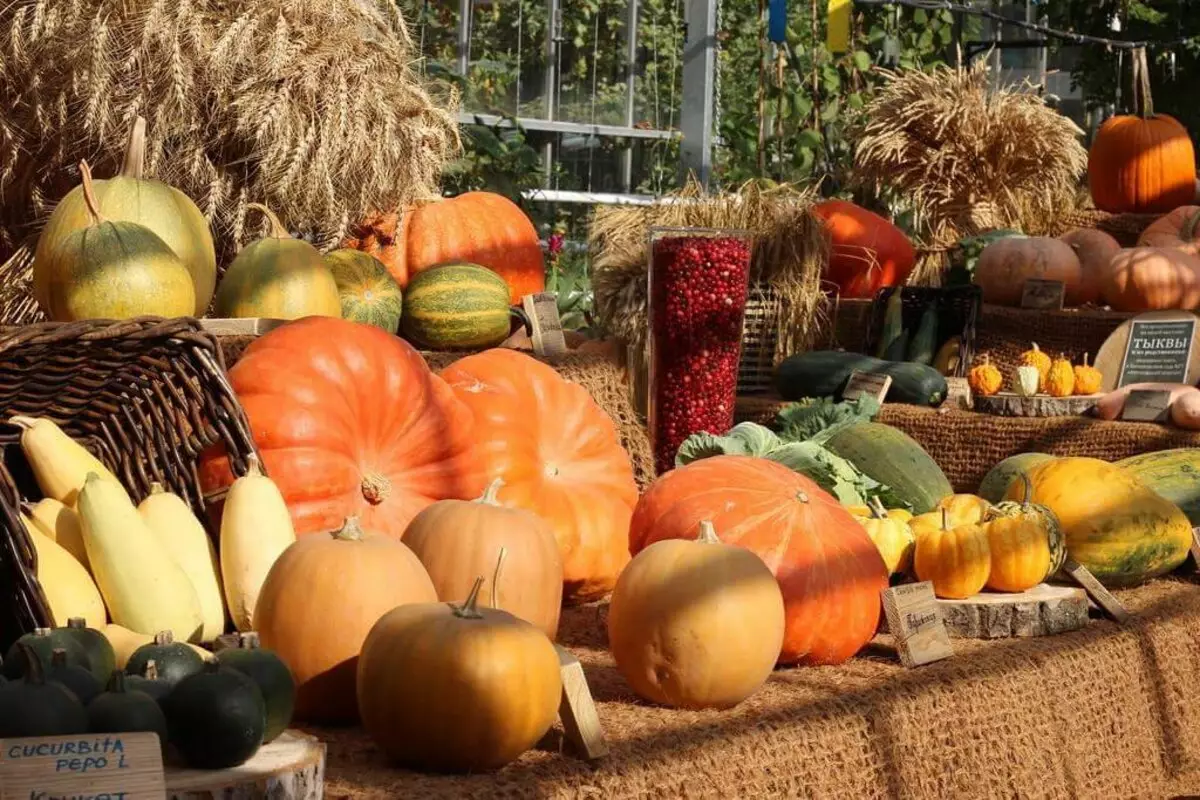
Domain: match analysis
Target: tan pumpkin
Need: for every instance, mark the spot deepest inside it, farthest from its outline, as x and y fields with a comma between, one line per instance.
x=1094, y=249
x=1152, y=279
x=956, y=560
x=1179, y=229
x=319, y=602
x=891, y=535
x=963, y=509
x=696, y=624
x=457, y=540
x=1005, y=265
x=456, y=688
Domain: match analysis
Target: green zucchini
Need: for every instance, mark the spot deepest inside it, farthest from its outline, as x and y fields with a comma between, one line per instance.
x=921, y=348
x=823, y=373
x=895, y=350
x=893, y=323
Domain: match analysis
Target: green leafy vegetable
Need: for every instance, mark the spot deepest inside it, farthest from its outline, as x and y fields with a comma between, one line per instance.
x=744, y=439
x=806, y=419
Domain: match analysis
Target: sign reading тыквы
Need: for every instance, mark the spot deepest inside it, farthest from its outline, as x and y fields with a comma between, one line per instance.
x=1159, y=351
x=104, y=766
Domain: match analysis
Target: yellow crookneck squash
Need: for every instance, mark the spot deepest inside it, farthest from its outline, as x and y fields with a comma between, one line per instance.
x=60, y=464
x=69, y=589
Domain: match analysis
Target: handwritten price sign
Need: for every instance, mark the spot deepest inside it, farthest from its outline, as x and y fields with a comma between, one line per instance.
x=125, y=766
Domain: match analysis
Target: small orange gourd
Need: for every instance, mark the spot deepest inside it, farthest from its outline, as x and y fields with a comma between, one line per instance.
x=957, y=561
x=1088, y=379
x=1061, y=380
x=984, y=378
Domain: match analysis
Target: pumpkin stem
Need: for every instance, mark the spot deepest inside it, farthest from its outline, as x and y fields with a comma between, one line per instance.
x=1027, y=489
x=491, y=493
x=470, y=608
x=157, y=488
x=278, y=231
x=34, y=672
x=89, y=194
x=351, y=530
x=708, y=533
x=78, y=623
x=135, y=150
x=164, y=637
x=150, y=673
x=1143, y=102
x=802, y=497
x=253, y=467
x=375, y=488
x=496, y=577
x=876, y=508
x=945, y=521
x=1085, y=358
x=248, y=641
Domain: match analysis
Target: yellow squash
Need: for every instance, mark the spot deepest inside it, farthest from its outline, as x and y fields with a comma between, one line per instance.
x=59, y=463
x=255, y=530
x=146, y=591
x=68, y=587
x=61, y=524
x=172, y=521
x=124, y=642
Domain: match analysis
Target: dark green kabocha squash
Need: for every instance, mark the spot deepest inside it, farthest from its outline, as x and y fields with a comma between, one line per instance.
x=216, y=718
x=175, y=661
x=79, y=680
x=125, y=710
x=148, y=682
x=101, y=658
x=44, y=641
x=33, y=706
x=273, y=677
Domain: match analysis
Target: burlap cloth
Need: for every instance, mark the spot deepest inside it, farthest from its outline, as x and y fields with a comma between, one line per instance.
x=1106, y=712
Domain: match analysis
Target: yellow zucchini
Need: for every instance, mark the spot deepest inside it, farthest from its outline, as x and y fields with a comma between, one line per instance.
x=68, y=587
x=172, y=521
x=61, y=524
x=125, y=641
x=60, y=464
x=255, y=530
x=146, y=591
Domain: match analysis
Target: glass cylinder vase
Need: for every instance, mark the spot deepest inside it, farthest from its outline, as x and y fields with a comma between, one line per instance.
x=698, y=284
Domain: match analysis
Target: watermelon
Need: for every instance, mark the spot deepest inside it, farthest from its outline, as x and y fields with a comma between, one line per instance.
x=995, y=483
x=368, y=292
x=893, y=458
x=456, y=307
x=1172, y=474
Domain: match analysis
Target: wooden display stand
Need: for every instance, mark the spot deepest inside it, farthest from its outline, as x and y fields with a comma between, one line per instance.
x=1041, y=611
x=290, y=768
x=1010, y=404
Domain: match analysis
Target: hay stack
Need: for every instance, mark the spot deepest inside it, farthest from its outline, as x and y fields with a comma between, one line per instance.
x=312, y=108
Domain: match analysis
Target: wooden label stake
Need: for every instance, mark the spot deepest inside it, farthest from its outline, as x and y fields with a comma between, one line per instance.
x=1196, y=546
x=98, y=765
x=547, y=335
x=1101, y=596
x=577, y=710
x=916, y=624
x=1043, y=295
x=869, y=383
x=1146, y=405
x=958, y=394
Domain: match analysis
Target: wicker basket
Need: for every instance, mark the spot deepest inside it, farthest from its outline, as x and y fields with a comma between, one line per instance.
x=146, y=396
x=959, y=316
x=1125, y=228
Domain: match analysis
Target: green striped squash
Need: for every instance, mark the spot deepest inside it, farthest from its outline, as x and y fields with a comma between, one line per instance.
x=368, y=292
x=995, y=483
x=895, y=459
x=1172, y=474
x=456, y=307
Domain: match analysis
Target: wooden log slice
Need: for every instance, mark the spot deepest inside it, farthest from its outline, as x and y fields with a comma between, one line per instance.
x=290, y=768
x=1042, y=611
x=1010, y=404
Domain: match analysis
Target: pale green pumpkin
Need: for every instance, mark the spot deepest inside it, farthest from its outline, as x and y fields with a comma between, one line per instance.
x=368, y=292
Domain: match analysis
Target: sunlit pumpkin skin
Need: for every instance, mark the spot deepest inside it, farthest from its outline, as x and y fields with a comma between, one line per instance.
x=368, y=292
x=1118, y=528
x=350, y=422
x=696, y=624
x=515, y=549
x=559, y=456
x=868, y=252
x=1026, y=545
x=828, y=569
x=1179, y=229
x=477, y=227
x=449, y=687
x=1141, y=165
x=956, y=560
x=318, y=604
x=1094, y=248
x=1005, y=265
x=963, y=509
x=1152, y=279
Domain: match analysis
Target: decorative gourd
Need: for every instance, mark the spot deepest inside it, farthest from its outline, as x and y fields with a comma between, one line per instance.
x=955, y=559
x=279, y=277
x=497, y=706
x=101, y=658
x=184, y=538
x=1152, y=278
x=456, y=307
x=319, y=602
x=368, y=292
x=174, y=660
x=574, y=473
x=350, y=421
x=1088, y=379
x=125, y=709
x=272, y=677
x=963, y=509
x=1026, y=544
x=948, y=356
x=1035, y=357
x=68, y=587
x=696, y=624
x=456, y=540
x=256, y=529
x=984, y=379
x=1094, y=248
x=999, y=477
x=830, y=572
x=215, y=718
x=36, y=707
x=478, y=227
x=892, y=536
x=129, y=197
x=1005, y=265
x=59, y=463
x=112, y=270
x=1060, y=382
x=143, y=587
x=1026, y=381
x=1121, y=530
x=43, y=642
x=1179, y=229
x=1112, y=404
x=868, y=252
x=148, y=683
x=80, y=680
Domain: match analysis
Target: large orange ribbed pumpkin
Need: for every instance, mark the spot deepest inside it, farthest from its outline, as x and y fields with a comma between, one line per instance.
x=828, y=569
x=559, y=456
x=477, y=227
x=350, y=422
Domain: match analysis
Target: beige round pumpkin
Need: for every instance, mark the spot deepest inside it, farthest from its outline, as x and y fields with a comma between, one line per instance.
x=1152, y=279
x=1179, y=229
x=1005, y=265
x=696, y=624
x=1094, y=249
x=458, y=540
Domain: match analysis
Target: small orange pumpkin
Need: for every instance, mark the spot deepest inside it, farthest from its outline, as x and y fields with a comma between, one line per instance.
x=1151, y=279
x=1180, y=229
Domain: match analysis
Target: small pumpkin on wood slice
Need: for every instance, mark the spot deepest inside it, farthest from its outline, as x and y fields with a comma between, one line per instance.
x=79, y=680
x=1088, y=379
x=216, y=718
x=68, y=587
x=1152, y=279
x=1006, y=264
x=984, y=379
x=61, y=524
x=457, y=540
x=101, y=657
x=60, y=464
x=149, y=683
x=456, y=307
x=368, y=292
x=1060, y=382
x=278, y=277
x=113, y=270
x=696, y=624
x=175, y=660
x=891, y=535
x=1094, y=248
x=34, y=706
x=1026, y=544
x=456, y=688
x=42, y=642
x=125, y=709
x=319, y=602
x=1026, y=381
x=955, y=559
x=1038, y=359
x=963, y=509
x=272, y=677
x=1179, y=229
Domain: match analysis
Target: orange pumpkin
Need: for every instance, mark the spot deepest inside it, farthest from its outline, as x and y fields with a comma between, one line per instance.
x=1152, y=278
x=559, y=456
x=868, y=252
x=1094, y=249
x=477, y=227
x=1180, y=229
x=319, y=602
x=350, y=422
x=828, y=569
x=1005, y=265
